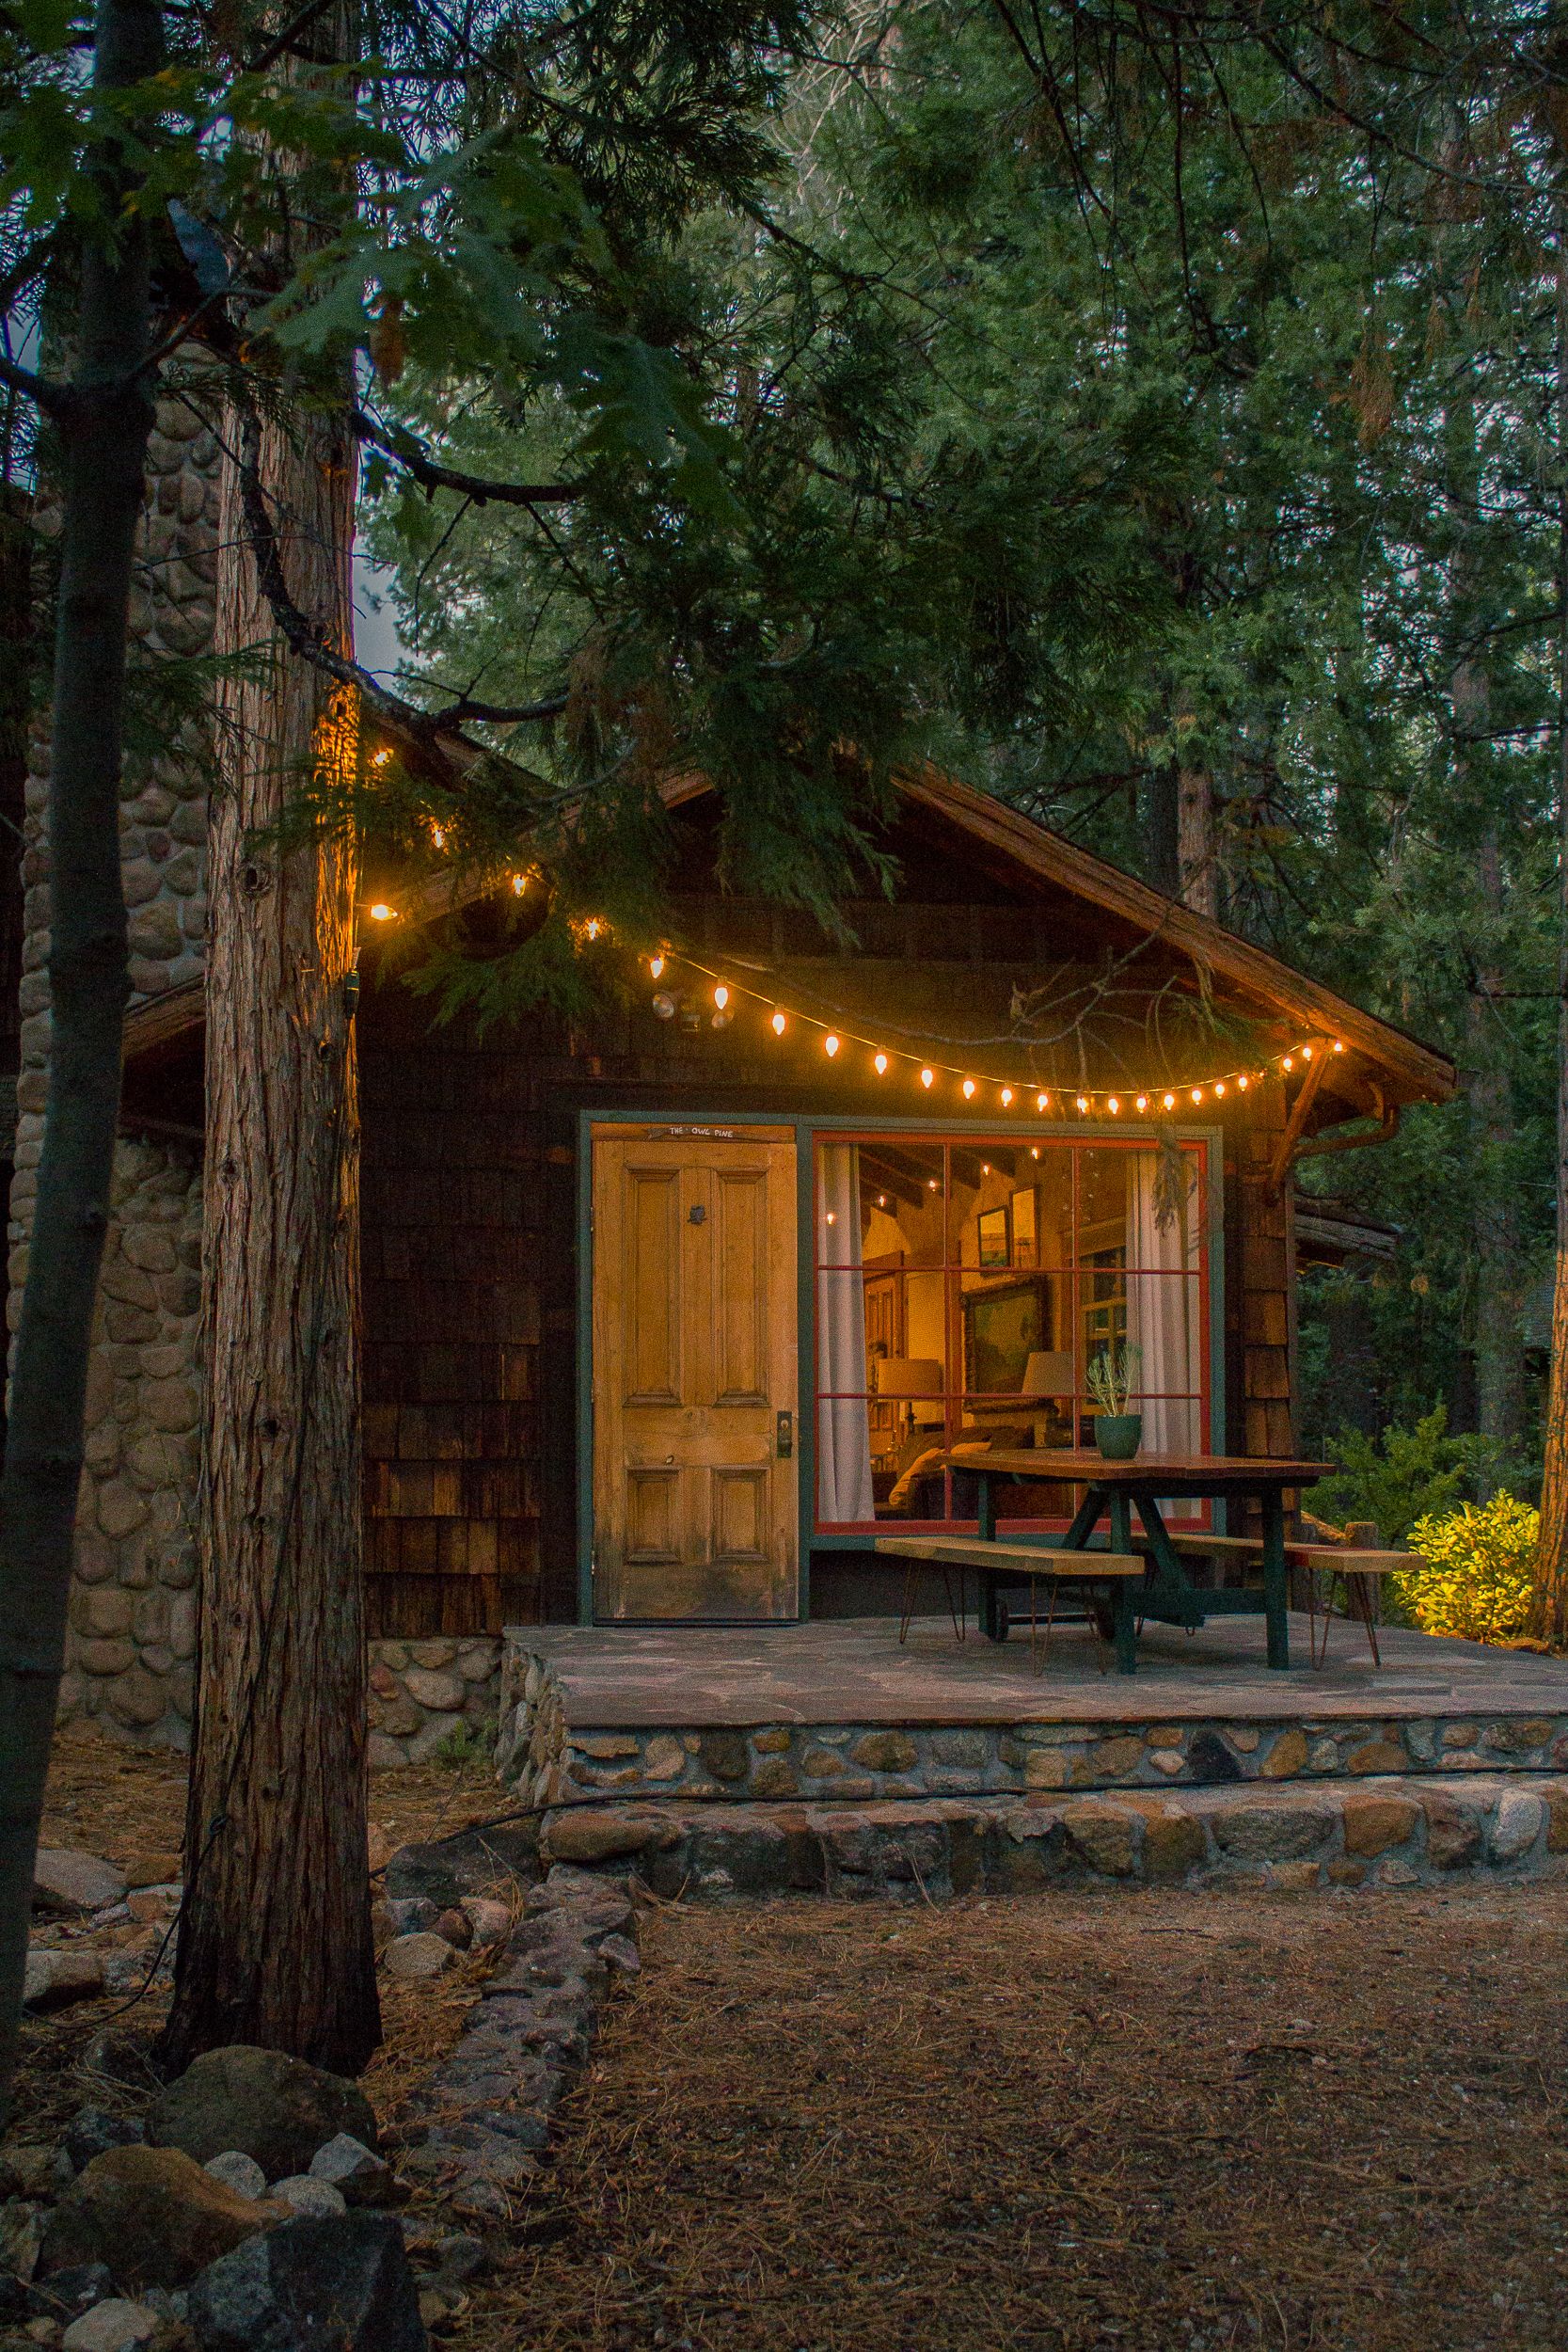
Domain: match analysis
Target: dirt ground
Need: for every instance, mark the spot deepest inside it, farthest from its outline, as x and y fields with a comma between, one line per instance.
x=1157, y=2122
x=130, y=1808
x=1148, y=2123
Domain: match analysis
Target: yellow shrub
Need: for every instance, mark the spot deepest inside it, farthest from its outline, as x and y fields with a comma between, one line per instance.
x=1477, y=1572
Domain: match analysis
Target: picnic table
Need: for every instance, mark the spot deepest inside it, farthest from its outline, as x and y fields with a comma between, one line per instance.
x=1113, y=1489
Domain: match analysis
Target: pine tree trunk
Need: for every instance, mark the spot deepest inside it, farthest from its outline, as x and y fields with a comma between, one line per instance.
x=276, y=1943
x=103, y=437
x=1499, y=1303
x=1549, y=1611
x=1195, y=852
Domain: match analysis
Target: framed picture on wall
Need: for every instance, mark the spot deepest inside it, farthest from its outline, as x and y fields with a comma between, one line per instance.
x=993, y=1237
x=1003, y=1327
x=1024, y=1229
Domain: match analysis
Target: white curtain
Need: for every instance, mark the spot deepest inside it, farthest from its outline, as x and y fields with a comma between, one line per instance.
x=843, y=1422
x=1165, y=1317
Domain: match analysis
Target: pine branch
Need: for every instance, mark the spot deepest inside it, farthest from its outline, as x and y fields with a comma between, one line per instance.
x=414, y=458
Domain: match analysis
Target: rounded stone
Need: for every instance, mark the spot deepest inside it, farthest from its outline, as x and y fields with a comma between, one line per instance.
x=413, y=1958
x=439, y=1693
x=238, y=2171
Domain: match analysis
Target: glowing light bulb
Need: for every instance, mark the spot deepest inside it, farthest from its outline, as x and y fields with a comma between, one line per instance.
x=830, y=1216
x=1034, y=1150
x=1339, y=1046
x=439, y=835
x=778, y=1025
x=380, y=913
x=881, y=1201
x=1171, y=1101
x=878, y=1063
x=656, y=967
x=984, y=1168
x=931, y=1183
x=1306, y=1053
x=830, y=1045
x=927, y=1077
x=1112, y=1105
x=1289, y=1063
x=1241, y=1083
x=721, y=995
x=1007, y=1098
x=592, y=928
x=1083, y=1102
x=1219, y=1090
x=519, y=884
x=968, y=1090
x=379, y=759
x=1042, y=1102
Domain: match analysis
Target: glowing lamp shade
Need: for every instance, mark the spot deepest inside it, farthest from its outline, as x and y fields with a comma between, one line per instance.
x=914, y=1380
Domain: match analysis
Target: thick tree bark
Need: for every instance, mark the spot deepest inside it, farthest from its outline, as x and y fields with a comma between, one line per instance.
x=1196, y=854
x=1549, y=1611
x=1499, y=1302
x=275, y=1946
x=103, y=427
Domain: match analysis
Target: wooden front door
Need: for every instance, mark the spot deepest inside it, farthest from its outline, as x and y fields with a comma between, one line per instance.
x=695, y=1311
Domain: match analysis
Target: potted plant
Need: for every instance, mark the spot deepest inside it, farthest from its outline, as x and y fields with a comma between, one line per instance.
x=1117, y=1433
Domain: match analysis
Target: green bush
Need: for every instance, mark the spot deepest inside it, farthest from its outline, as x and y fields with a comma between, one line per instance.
x=1475, y=1570
x=1417, y=1474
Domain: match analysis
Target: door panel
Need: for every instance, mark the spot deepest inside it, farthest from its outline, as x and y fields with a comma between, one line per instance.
x=694, y=1358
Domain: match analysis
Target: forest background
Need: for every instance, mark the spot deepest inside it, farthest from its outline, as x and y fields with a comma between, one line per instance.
x=1166, y=417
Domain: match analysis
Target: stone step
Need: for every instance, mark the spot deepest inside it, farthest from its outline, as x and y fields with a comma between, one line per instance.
x=1404, y=1830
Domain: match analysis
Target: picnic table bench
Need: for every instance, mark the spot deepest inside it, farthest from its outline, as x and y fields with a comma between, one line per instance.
x=1167, y=1594
x=998, y=1563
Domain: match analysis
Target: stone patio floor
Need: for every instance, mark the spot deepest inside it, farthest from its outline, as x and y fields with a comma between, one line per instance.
x=854, y=1670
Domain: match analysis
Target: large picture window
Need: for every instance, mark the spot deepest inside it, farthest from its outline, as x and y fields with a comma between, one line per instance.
x=964, y=1289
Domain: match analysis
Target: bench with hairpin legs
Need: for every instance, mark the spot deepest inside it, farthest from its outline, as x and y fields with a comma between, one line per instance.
x=1359, y=1569
x=995, y=1563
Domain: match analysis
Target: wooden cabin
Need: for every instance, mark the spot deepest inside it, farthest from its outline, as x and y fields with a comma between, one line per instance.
x=665, y=1320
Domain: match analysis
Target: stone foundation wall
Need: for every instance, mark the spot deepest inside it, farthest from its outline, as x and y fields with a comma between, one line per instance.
x=424, y=1693
x=851, y=1763
x=1405, y=1831
x=131, y=1642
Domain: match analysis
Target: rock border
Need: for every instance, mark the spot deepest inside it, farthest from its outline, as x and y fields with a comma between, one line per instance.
x=480, y=2126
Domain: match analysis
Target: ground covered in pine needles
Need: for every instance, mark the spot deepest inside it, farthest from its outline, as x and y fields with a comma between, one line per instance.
x=1126, y=2122
x=1159, y=2123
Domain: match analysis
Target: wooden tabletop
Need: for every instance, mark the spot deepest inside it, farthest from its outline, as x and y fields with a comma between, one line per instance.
x=1165, y=1471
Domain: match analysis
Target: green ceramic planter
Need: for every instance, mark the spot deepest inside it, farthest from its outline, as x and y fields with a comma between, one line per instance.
x=1118, y=1436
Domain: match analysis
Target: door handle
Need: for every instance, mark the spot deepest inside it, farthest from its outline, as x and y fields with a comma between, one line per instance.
x=783, y=1446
